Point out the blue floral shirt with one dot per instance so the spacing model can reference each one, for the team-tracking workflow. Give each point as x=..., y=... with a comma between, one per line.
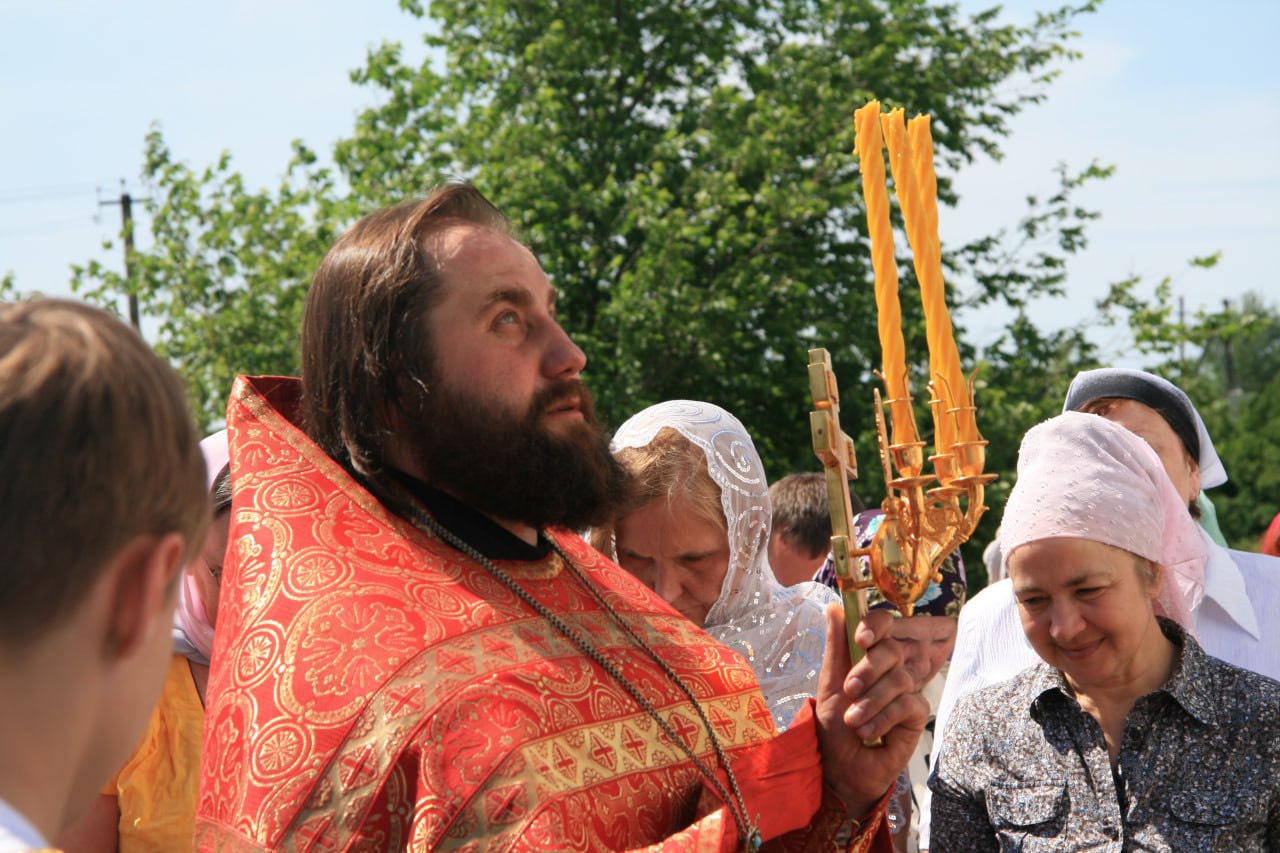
x=1024, y=767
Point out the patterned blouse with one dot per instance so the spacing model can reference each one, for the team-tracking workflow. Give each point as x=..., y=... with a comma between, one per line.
x=1024, y=767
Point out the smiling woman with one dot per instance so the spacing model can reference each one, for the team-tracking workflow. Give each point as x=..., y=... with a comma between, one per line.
x=697, y=535
x=1128, y=734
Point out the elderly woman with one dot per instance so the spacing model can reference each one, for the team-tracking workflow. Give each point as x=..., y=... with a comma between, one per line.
x=1126, y=735
x=1232, y=618
x=698, y=537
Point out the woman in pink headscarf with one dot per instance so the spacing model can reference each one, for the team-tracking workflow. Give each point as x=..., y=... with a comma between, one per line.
x=150, y=804
x=1127, y=735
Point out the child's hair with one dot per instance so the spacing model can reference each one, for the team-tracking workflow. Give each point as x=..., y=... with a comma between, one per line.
x=97, y=446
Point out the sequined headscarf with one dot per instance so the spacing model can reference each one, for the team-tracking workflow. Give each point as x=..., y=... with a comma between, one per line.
x=1081, y=476
x=780, y=630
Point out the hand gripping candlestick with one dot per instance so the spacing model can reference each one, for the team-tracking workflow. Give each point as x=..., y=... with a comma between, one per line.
x=921, y=525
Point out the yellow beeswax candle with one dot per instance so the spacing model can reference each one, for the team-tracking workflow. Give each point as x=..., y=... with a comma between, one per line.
x=868, y=144
x=902, y=162
x=944, y=356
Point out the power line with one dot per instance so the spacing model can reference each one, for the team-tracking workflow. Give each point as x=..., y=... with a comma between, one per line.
x=50, y=227
x=22, y=195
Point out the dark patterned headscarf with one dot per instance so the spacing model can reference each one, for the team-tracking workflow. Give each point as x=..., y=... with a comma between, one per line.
x=940, y=599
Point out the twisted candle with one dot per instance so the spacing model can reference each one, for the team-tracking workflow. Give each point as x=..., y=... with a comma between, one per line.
x=916, y=197
x=932, y=288
x=868, y=144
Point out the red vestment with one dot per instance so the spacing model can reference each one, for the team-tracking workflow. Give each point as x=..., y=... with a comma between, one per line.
x=374, y=689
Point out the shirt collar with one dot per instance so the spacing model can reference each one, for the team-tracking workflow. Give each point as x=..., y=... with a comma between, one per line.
x=1045, y=679
x=473, y=527
x=1188, y=684
x=1192, y=677
x=1225, y=585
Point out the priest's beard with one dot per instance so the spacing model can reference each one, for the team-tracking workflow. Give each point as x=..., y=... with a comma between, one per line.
x=509, y=466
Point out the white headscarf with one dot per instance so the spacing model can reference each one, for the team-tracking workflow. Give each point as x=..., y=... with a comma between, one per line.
x=780, y=630
x=1081, y=476
x=1089, y=385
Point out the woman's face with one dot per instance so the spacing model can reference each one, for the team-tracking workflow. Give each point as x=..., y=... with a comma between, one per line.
x=1087, y=610
x=926, y=643
x=1146, y=423
x=209, y=562
x=677, y=553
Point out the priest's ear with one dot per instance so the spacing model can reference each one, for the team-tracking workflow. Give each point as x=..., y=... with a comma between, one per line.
x=139, y=589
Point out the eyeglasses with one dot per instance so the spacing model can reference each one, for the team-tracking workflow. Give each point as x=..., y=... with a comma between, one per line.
x=214, y=571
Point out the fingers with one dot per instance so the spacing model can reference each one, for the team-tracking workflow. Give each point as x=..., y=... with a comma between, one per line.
x=879, y=680
x=875, y=634
x=890, y=704
x=876, y=625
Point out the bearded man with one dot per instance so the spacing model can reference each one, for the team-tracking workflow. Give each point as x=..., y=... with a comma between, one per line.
x=415, y=652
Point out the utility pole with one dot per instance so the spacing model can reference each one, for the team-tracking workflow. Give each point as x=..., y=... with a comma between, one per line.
x=126, y=217
x=1182, y=326
x=1228, y=361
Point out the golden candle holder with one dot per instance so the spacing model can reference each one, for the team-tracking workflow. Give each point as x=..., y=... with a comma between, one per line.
x=922, y=525
x=926, y=515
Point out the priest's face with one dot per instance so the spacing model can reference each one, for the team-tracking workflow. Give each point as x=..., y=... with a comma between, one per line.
x=494, y=330
x=506, y=425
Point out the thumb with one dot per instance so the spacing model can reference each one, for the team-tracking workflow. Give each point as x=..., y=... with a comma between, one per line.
x=835, y=659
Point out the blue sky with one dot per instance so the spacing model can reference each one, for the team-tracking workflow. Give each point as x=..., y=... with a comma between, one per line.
x=1184, y=98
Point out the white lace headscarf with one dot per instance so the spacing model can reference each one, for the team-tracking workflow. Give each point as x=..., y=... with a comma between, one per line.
x=1082, y=476
x=780, y=630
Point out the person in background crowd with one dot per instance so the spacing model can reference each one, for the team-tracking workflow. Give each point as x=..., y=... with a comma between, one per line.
x=927, y=637
x=801, y=534
x=1270, y=544
x=993, y=560
x=1238, y=617
x=150, y=803
x=103, y=501
x=1126, y=735
x=696, y=533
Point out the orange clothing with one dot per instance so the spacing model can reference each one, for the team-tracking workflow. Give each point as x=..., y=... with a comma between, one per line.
x=156, y=788
x=375, y=689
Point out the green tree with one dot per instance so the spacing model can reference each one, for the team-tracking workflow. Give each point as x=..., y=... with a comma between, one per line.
x=683, y=170
x=1228, y=362
x=227, y=270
